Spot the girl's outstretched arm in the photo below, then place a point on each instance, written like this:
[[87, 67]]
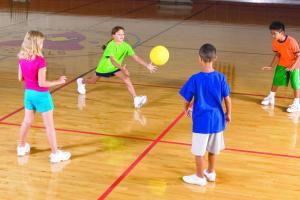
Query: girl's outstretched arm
[[44, 83], [150, 67]]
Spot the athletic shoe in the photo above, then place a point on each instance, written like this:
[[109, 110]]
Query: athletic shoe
[[210, 176], [80, 86], [22, 151], [139, 101], [194, 179], [59, 156], [295, 107], [269, 100]]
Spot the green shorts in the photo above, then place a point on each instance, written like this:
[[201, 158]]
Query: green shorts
[[282, 77]]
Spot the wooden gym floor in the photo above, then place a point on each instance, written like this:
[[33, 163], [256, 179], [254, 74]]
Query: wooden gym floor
[[122, 153]]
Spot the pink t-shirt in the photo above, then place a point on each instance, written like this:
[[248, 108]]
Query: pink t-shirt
[[30, 71]]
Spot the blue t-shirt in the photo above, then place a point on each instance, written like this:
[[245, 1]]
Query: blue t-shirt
[[208, 91]]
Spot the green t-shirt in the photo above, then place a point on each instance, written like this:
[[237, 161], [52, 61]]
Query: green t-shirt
[[118, 51]]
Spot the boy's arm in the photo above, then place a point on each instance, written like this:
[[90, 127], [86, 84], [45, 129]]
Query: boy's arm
[[149, 66], [187, 109], [20, 75], [273, 63], [228, 108], [297, 63]]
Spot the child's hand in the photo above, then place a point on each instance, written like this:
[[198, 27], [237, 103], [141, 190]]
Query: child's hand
[[266, 68], [125, 70], [290, 69], [152, 68], [62, 79], [188, 112], [228, 117]]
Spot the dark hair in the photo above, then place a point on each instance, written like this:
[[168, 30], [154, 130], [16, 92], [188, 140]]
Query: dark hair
[[277, 26], [207, 52], [113, 31]]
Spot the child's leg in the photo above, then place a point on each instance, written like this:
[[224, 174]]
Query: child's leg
[[28, 119], [127, 81], [281, 78], [211, 162], [297, 93], [274, 88], [270, 99], [295, 83], [200, 166], [50, 130], [91, 80]]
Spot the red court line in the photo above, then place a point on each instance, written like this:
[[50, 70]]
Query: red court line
[[10, 114], [161, 141], [140, 157], [52, 91], [83, 132], [148, 85]]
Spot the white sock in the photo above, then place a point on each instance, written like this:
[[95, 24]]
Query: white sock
[[297, 100], [272, 94]]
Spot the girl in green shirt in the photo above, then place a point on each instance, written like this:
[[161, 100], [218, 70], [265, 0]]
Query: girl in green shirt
[[111, 64]]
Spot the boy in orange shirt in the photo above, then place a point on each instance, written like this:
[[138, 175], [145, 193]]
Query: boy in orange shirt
[[287, 62]]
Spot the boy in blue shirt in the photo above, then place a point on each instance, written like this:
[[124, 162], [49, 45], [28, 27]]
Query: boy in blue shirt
[[208, 88]]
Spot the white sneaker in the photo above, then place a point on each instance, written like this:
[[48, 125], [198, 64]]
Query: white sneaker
[[295, 107], [210, 176], [59, 156], [80, 86], [139, 101], [269, 100], [194, 179], [22, 151]]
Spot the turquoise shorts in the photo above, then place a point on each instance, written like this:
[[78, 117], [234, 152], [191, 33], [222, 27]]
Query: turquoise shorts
[[39, 101]]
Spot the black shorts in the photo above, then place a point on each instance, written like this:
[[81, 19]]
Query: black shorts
[[107, 74]]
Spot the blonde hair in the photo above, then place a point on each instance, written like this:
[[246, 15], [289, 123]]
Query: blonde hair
[[32, 45]]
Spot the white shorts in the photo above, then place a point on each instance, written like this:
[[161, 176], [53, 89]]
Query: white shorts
[[213, 143]]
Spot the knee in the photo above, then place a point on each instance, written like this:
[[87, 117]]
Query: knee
[[27, 122], [93, 81]]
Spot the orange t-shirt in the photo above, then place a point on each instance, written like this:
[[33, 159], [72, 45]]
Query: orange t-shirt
[[287, 51]]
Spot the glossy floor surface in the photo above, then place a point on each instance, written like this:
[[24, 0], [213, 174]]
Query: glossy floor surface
[[119, 152]]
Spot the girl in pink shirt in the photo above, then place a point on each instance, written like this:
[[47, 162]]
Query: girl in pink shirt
[[37, 98]]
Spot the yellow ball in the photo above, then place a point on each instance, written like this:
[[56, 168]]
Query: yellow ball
[[159, 55]]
